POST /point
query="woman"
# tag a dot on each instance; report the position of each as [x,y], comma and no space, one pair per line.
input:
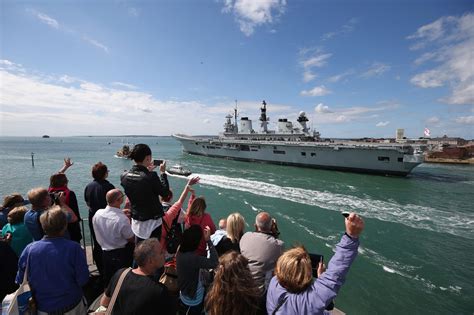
[57,267]
[196,215]
[143,186]
[234,291]
[58,183]
[9,202]
[174,212]
[189,265]
[20,236]
[234,231]
[293,290]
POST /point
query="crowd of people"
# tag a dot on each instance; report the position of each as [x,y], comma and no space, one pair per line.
[218,271]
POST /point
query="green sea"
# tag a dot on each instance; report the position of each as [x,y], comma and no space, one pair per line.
[416,254]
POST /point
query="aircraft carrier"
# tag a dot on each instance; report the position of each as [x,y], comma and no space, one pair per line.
[289,145]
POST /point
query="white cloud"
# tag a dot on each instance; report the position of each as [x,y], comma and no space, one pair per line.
[308,76]
[382,124]
[55,24]
[67,79]
[124,85]
[357,113]
[47,20]
[206,121]
[316,61]
[465,120]
[316,91]
[428,32]
[433,120]
[322,109]
[311,58]
[251,13]
[339,77]
[452,42]
[32,103]
[429,79]
[345,29]
[96,43]
[6,62]
[376,69]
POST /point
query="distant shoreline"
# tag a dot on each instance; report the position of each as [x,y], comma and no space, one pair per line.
[450,161]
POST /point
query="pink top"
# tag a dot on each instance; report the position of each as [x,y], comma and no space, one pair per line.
[169,216]
[203,221]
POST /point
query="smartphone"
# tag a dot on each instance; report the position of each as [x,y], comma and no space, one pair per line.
[345,214]
[157,162]
[315,259]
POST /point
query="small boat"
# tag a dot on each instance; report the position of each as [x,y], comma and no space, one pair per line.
[124,152]
[179,170]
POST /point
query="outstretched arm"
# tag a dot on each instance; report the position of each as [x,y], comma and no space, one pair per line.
[330,282]
[67,164]
[174,210]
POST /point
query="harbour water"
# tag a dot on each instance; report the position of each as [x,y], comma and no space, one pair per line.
[416,254]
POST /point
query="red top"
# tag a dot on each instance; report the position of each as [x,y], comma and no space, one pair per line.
[203,221]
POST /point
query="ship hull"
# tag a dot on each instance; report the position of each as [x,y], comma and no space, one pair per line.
[383,160]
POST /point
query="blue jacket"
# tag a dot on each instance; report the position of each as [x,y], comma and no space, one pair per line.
[57,270]
[323,290]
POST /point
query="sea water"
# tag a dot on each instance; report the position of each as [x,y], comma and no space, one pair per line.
[416,254]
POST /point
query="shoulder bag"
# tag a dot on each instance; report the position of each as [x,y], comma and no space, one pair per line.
[21,302]
[107,311]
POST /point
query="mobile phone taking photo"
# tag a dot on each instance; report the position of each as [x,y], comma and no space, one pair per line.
[157,162]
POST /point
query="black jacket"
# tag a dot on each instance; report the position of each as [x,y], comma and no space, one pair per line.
[142,188]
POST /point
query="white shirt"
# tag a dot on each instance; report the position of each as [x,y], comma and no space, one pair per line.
[143,229]
[112,228]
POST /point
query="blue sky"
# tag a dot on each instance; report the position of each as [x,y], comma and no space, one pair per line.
[357,68]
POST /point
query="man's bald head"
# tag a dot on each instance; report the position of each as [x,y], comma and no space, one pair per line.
[114,198]
[263,221]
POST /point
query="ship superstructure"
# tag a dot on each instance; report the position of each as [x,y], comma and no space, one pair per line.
[298,146]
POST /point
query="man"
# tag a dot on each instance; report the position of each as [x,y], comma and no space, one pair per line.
[262,249]
[139,293]
[40,201]
[94,195]
[143,186]
[114,235]
[57,267]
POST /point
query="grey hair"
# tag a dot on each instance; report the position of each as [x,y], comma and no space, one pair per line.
[263,220]
[54,221]
[145,251]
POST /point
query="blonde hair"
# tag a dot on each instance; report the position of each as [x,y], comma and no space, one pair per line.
[198,206]
[235,226]
[293,270]
[16,215]
[54,221]
[234,291]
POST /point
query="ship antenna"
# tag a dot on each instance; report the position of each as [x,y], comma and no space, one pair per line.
[235,115]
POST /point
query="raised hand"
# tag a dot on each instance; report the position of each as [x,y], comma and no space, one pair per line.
[354,225]
[193,180]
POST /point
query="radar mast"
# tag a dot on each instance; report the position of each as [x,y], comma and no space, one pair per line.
[263,117]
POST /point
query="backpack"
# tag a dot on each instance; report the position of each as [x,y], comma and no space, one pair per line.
[174,234]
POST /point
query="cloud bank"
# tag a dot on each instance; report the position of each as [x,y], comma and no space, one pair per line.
[448,59]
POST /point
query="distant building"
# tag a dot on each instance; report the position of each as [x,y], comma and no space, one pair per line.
[400,135]
[445,140]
